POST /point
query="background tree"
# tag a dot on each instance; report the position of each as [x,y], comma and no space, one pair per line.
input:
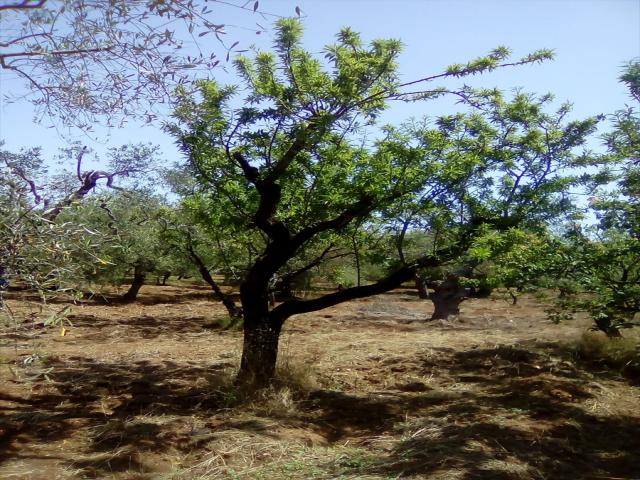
[503,161]
[43,239]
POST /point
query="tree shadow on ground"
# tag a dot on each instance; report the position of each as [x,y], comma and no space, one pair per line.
[124,329]
[125,408]
[498,413]
[159,295]
[505,413]
[136,327]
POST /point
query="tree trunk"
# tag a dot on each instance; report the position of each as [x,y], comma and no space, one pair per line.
[606,325]
[421,286]
[447,297]
[233,310]
[261,336]
[260,352]
[356,252]
[139,276]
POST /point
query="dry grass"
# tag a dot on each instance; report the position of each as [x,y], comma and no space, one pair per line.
[621,353]
[366,390]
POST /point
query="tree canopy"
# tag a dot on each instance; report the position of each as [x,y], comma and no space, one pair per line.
[294,163]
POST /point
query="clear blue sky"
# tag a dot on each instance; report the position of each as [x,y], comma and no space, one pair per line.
[592,40]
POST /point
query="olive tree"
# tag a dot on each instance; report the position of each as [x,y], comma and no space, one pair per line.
[84,61]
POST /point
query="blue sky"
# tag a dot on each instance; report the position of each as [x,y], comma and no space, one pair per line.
[592,40]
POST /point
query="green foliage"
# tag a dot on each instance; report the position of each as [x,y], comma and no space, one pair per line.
[133,221]
[605,266]
[300,127]
[37,251]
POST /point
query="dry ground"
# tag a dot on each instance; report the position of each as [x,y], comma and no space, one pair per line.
[368,390]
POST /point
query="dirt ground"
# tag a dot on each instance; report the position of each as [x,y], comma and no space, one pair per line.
[368,390]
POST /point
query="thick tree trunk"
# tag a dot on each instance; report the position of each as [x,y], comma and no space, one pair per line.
[139,277]
[260,352]
[605,325]
[447,297]
[261,335]
[445,307]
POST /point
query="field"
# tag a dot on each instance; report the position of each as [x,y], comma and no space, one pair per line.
[366,390]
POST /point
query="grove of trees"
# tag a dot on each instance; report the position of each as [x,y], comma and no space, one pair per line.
[290,175]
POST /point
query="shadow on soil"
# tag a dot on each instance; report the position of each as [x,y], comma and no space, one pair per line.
[127,329]
[501,413]
[126,408]
[514,414]
[148,296]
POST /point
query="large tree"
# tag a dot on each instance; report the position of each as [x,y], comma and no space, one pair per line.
[294,162]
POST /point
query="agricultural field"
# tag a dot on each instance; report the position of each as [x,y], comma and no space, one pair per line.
[365,389]
[274,240]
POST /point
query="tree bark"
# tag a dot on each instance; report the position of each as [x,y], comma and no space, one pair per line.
[260,351]
[233,309]
[514,297]
[447,297]
[139,277]
[605,325]
[261,333]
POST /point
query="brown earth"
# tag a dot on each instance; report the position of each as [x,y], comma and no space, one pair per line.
[367,389]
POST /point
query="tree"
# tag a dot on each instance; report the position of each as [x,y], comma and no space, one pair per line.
[525,148]
[89,60]
[292,164]
[40,244]
[199,245]
[606,260]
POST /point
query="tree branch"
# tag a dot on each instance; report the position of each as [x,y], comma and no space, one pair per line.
[24,5]
[227,301]
[316,261]
[391,281]
[4,56]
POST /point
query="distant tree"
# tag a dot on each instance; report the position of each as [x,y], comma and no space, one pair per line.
[525,148]
[95,60]
[40,245]
[291,164]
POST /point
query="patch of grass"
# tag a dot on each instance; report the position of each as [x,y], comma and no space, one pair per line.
[297,375]
[280,459]
[621,352]
[223,323]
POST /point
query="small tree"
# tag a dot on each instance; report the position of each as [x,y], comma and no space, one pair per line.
[292,164]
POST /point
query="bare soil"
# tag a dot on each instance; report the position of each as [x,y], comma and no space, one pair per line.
[367,389]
